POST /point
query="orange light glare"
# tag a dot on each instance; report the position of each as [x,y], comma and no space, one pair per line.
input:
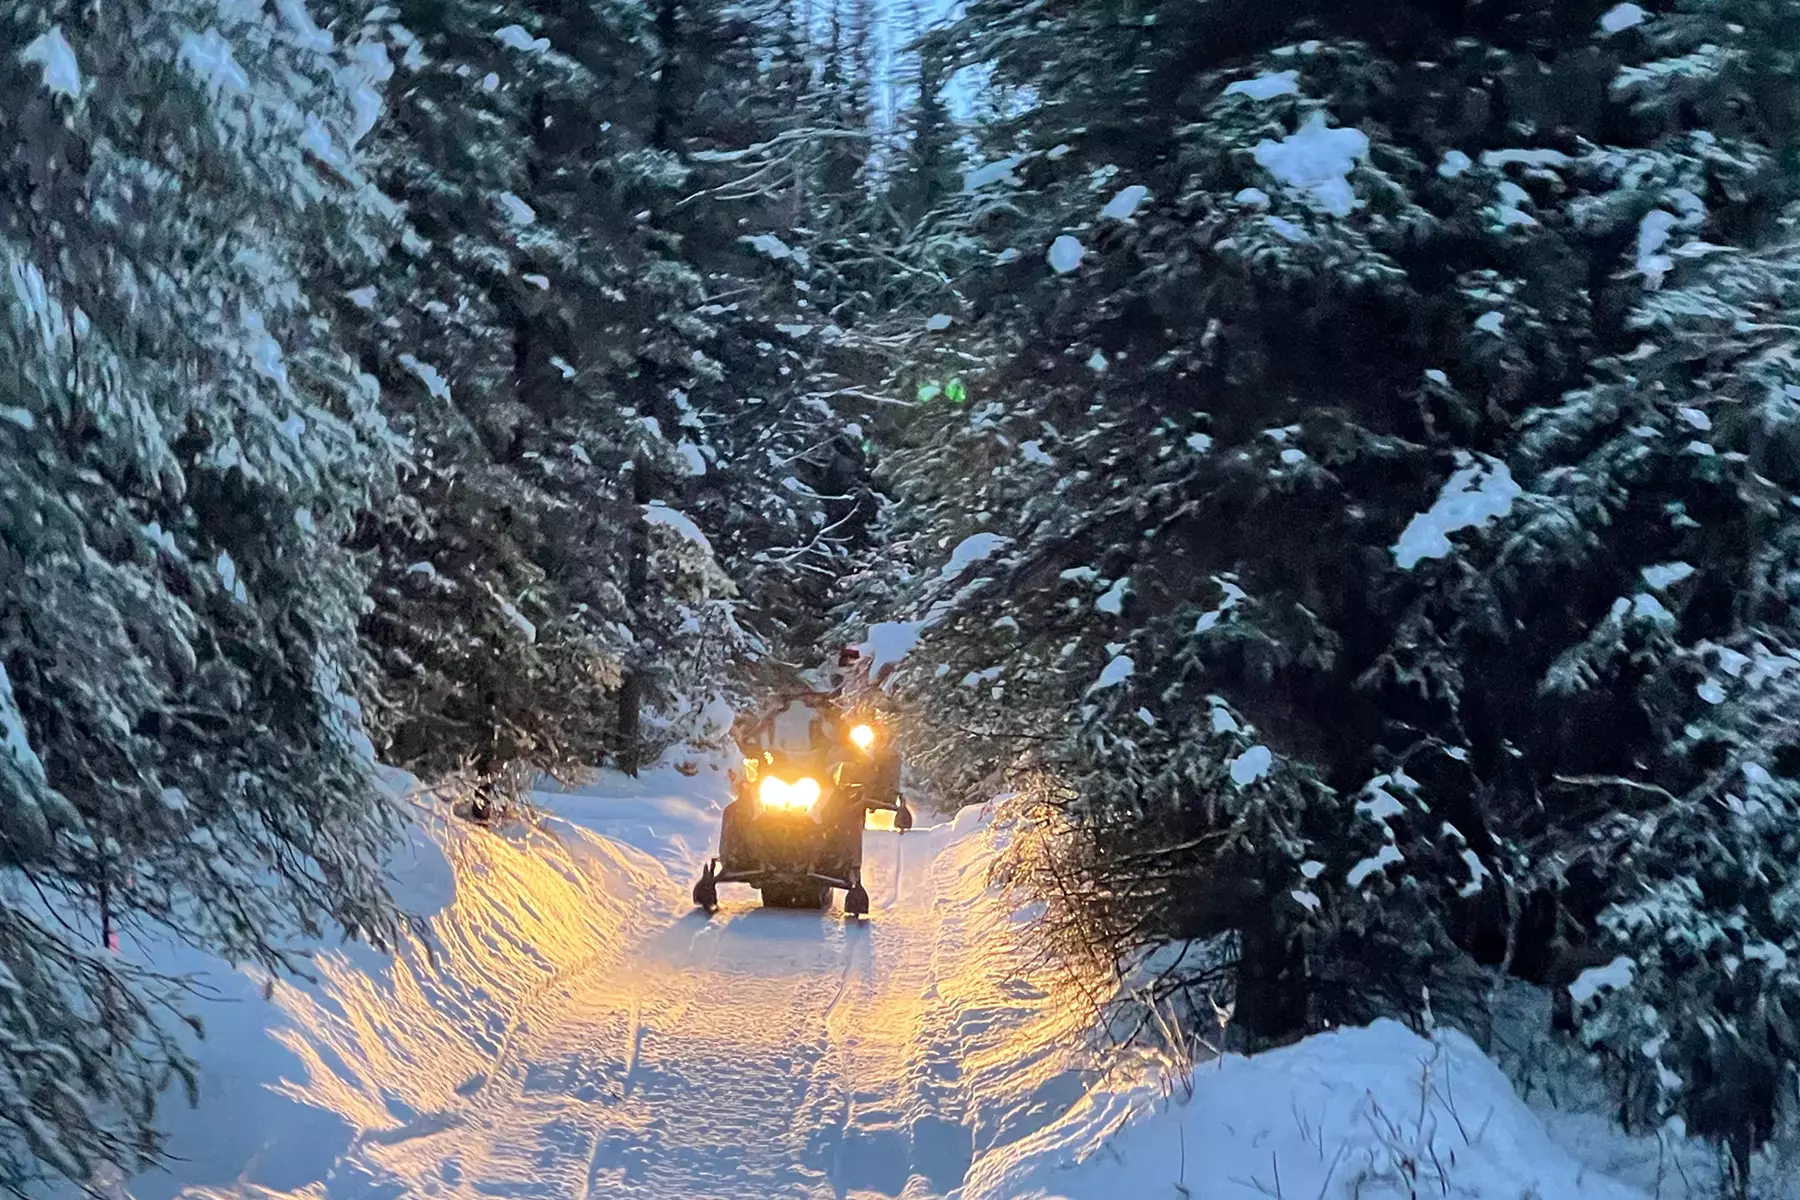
[798,796]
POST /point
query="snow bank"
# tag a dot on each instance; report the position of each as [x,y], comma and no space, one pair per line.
[296,1075]
[1367,1112]
[556,1039]
[668,818]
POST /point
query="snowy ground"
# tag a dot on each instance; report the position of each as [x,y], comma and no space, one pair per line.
[578,1030]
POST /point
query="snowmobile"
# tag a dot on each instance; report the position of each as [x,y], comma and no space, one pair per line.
[795,829]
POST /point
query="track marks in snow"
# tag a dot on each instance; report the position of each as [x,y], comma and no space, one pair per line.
[757,1054]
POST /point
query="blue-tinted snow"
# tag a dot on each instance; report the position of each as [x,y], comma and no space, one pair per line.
[51,51]
[1317,160]
[1065,254]
[1480,491]
[658,513]
[1251,765]
[208,55]
[13,740]
[1112,601]
[516,37]
[428,375]
[994,172]
[1116,672]
[1267,87]
[1121,206]
[1621,17]
[972,550]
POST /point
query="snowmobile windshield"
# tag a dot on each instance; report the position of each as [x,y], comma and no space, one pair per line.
[792,731]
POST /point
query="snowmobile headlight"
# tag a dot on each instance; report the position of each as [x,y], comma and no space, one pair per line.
[798,796]
[863,736]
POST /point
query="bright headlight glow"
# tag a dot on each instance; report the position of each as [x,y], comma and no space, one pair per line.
[800,795]
[863,736]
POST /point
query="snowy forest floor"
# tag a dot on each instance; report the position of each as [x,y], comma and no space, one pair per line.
[576,1029]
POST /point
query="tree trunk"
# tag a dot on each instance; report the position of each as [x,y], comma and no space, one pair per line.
[668,32]
[637,590]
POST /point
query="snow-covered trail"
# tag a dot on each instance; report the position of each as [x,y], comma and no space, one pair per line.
[578,1029]
[753,1054]
[573,1028]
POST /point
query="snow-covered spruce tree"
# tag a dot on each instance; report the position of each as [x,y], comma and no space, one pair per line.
[185,449]
[600,367]
[1354,398]
[741,361]
[1669,843]
[499,616]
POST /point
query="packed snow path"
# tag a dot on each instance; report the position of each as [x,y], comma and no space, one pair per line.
[576,1029]
[581,1030]
[757,1053]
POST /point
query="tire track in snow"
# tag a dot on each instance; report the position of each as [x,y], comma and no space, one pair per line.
[540,991]
[653,931]
[758,1055]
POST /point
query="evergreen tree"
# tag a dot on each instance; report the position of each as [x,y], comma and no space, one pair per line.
[1372,493]
[775,474]
[186,449]
[500,619]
